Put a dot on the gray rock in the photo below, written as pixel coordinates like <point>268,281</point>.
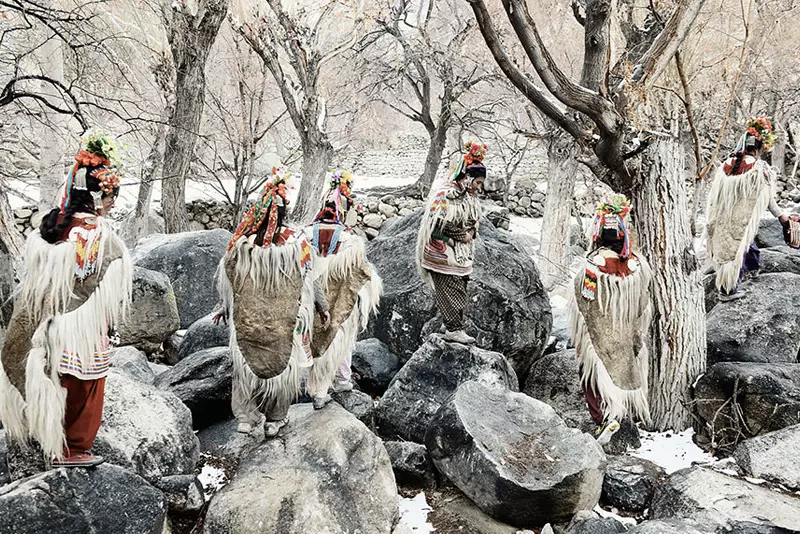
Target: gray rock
<point>762,326</point>
<point>508,311</point>
<point>375,365</point>
<point>431,376</point>
<point>6,287</point>
<point>359,404</point>
<point>554,379</point>
<point>153,315</point>
<point>405,211</point>
<point>715,499</point>
<point>184,493</point>
<point>514,457</point>
<point>23,460</point>
<point>5,478</point>
<point>460,515</point>
<point>672,526</point>
<point>104,500</point>
<point>203,334</point>
<point>765,456</point>
<point>145,430</point>
<point>371,233</point>
<point>203,381</point>
<point>770,233</point>
<point>373,220</point>
<point>630,483</point>
<point>596,525</point>
<point>221,439</point>
<point>372,205</point>
<point>411,463</point>
<point>325,473</point>
<point>190,261</point>
<point>525,202</point>
<point>133,229</point>
<point>742,400</point>
<point>171,346</point>
<point>133,363</point>
<point>387,210</point>
<point>780,260</point>
<point>23,213</point>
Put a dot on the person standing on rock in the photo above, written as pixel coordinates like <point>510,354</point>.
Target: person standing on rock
<point>610,319</point>
<point>267,288</point>
<point>77,286</point>
<point>446,240</point>
<point>352,289</point>
<point>743,188</point>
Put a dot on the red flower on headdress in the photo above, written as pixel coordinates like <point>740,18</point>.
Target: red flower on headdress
<point>84,158</point>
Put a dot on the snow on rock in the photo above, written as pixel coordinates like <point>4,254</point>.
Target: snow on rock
<point>672,450</point>
<point>414,514</point>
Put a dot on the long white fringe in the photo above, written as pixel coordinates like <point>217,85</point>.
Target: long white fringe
<point>268,267</point>
<point>12,409</point>
<point>616,402</point>
<point>46,399</point>
<point>457,210</point>
<point>324,369</point>
<point>726,192</point>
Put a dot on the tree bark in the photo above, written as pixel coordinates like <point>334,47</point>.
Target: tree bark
<point>317,155</point>
<point>678,333</point>
<point>153,164</point>
<point>562,168</point>
<point>11,239</point>
<point>191,36</point>
<point>52,163</point>
<point>432,160</point>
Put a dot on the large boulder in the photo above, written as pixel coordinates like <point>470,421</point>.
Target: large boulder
<point>132,362</point>
<point>145,430</point>
<point>780,260</point>
<point>411,463</point>
<point>203,334</point>
<point>767,456</point>
<point>203,381</point>
<point>715,499</point>
<point>135,228</point>
<point>596,525</point>
<point>672,526</point>
<point>104,500</point>
<point>426,381</point>
<point>222,440</point>
<point>770,233</point>
<point>153,315</point>
<point>514,457</point>
<point>554,379</point>
<point>509,311</point>
<point>375,364</point>
<point>359,404</point>
<point>326,473</point>
<point>762,326</point>
<point>190,261</point>
<point>742,400</point>
<point>630,483</point>
<point>5,478</point>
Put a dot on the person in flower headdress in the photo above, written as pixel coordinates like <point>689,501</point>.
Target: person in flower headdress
<point>446,240</point>
<point>268,300</point>
<point>352,289</point>
<point>743,188</point>
<point>77,286</point>
<point>610,319</point>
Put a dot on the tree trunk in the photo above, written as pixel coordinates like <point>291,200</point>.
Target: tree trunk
<point>191,36</point>
<point>317,154</point>
<point>52,163</point>
<point>154,163</point>
<point>10,238</point>
<point>678,333</point>
<point>432,161</point>
<point>779,152</point>
<point>562,168</point>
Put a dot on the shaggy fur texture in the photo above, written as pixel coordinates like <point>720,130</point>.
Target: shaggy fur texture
<point>613,353</point>
<point>735,205</point>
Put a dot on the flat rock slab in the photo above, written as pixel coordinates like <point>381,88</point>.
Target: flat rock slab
<point>325,473</point>
<point>203,334</point>
<point>103,500</point>
<point>772,456</point>
<point>630,483</point>
<point>514,457</point>
<point>715,499</point>
<point>426,381</point>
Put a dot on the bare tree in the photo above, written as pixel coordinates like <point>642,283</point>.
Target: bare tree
<point>301,40</point>
<point>192,27</point>
<point>648,166</point>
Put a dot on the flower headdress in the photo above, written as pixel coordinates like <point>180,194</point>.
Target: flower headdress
<point>98,158</point>
<point>265,209</point>
<point>610,214</point>
<point>760,128</point>
<point>472,159</point>
<point>338,192</point>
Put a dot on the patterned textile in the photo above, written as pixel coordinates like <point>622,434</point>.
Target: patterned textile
<point>327,237</point>
<point>96,367</point>
<point>85,233</point>
<point>265,208</point>
<point>792,232</point>
<point>451,298</point>
<point>454,209</point>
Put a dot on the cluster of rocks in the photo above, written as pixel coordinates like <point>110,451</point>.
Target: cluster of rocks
<point>377,211</point>
<point>27,219</point>
<point>525,200</point>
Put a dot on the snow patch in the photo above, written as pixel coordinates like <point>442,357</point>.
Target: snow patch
<point>212,478</point>
<point>672,450</point>
<point>414,514</point>
<point>627,521</point>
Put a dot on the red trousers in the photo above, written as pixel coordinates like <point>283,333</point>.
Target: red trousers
<point>84,412</point>
<point>594,402</point>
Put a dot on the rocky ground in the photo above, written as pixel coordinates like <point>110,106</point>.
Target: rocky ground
<point>487,439</point>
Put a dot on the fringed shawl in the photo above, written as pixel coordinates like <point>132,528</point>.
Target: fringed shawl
<point>735,205</point>
<point>610,333</point>
<point>447,206</point>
